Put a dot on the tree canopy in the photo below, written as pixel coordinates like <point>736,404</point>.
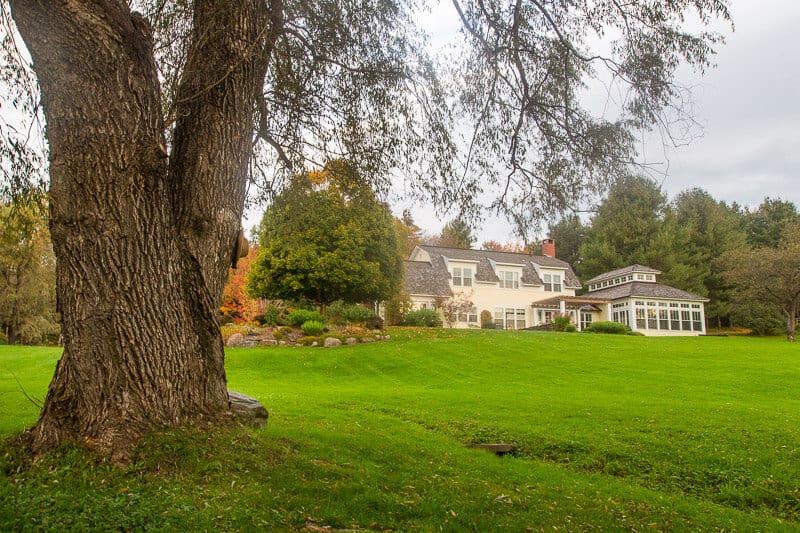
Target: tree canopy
<point>635,225</point>
<point>457,233</point>
<point>770,276</point>
<point>159,114</point>
<point>27,267</point>
<point>327,238</point>
<point>765,225</point>
<point>707,230</point>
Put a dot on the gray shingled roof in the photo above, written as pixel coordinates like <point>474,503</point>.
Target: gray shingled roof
<point>426,279</point>
<point>620,271</point>
<point>484,270</point>
<point>637,289</point>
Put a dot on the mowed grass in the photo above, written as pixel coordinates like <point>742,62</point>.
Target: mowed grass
<point>612,433</point>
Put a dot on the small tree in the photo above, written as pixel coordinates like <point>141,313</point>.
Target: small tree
<point>237,304</point>
<point>770,276</point>
<point>452,307</point>
<point>397,307</point>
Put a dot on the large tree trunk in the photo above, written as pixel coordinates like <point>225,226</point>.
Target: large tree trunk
<point>143,241</point>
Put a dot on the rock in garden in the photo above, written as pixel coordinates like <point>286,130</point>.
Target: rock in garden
<point>248,409</point>
<point>235,340</point>
<point>332,342</point>
<point>351,340</point>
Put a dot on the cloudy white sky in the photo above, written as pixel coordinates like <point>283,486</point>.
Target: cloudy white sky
<point>748,106</point>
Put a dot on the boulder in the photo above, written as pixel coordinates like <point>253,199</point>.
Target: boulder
<point>332,342</point>
<point>235,340</point>
<point>351,340</point>
<point>367,339</point>
<point>248,409</point>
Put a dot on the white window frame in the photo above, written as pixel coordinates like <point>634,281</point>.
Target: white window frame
<point>510,317</point>
<point>586,320</point>
<point>462,276</point>
<point>552,282</point>
<point>508,279</point>
<point>470,318</point>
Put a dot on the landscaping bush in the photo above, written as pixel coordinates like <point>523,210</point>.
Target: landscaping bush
<point>271,317</point>
<point>614,328</point>
<point>281,333</point>
<point>356,313</point>
<point>312,328</point>
<point>571,328</point>
<point>375,322</point>
<point>487,320</point>
<point>560,322</point>
<point>298,317</point>
<point>422,317</point>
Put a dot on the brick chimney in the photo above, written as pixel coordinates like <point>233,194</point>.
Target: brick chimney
<point>549,247</point>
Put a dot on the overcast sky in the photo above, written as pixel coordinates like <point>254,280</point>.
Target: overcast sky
<point>749,107</point>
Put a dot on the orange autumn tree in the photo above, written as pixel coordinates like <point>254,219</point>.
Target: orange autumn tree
<point>236,304</point>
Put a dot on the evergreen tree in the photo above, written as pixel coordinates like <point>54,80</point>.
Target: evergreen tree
<point>766,224</point>
<point>409,235</point>
<point>456,234</point>
<point>634,224</point>
<point>327,238</point>
<point>709,228</point>
<point>569,234</point>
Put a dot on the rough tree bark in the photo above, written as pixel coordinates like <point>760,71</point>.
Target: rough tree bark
<point>143,238</point>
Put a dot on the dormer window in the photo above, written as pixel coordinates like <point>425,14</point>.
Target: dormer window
<point>462,276</point>
<point>508,279</point>
<point>552,282</point>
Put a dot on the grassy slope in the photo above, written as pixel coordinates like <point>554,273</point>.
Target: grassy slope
<point>613,432</point>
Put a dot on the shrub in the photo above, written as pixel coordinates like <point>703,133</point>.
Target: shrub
<point>375,322</point>
<point>422,317</point>
<point>396,309</point>
<point>614,328</point>
<point>356,313</point>
<point>309,340</point>
<point>487,320</point>
<point>312,328</point>
<point>280,333</point>
<point>560,322</point>
<point>571,328</point>
<point>271,316</point>
<point>298,317</point>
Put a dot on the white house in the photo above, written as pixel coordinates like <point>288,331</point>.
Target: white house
<point>522,291</point>
<point>503,283</point>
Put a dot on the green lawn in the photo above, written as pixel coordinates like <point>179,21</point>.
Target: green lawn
<point>628,433</point>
